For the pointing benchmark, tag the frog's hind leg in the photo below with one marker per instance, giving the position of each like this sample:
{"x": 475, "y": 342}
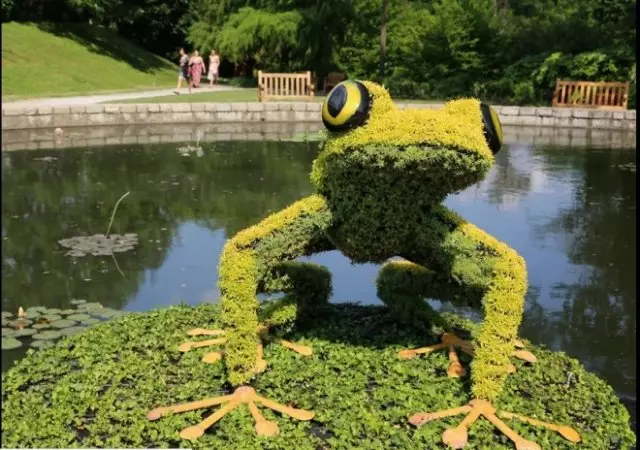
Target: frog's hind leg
{"x": 253, "y": 261}
{"x": 403, "y": 286}
{"x": 475, "y": 268}
{"x": 307, "y": 288}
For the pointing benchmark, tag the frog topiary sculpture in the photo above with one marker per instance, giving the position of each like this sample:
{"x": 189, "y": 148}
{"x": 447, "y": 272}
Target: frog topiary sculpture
{"x": 380, "y": 178}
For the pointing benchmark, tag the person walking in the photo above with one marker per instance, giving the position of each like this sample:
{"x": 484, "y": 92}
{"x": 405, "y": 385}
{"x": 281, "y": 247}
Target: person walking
{"x": 183, "y": 72}
{"x": 197, "y": 68}
{"x": 214, "y": 64}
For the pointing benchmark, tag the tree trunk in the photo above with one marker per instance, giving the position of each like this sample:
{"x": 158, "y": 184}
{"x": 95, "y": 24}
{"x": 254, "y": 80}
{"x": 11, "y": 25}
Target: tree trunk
{"x": 383, "y": 37}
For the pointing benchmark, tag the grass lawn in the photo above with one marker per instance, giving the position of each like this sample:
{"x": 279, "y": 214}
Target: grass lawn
{"x": 239, "y": 95}
{"x": 43, "y": 60}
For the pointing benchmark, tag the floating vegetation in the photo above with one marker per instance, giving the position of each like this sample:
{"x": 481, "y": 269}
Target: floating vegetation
{"x": 41, "y": 326}
{"x": 101, "y": 244}
{"x": 191, "y": 150}
{"x": 631, "y": 167}
{"x": 46, "y": 159}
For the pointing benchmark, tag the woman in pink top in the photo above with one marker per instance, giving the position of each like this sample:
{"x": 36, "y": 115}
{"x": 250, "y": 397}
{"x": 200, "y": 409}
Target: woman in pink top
{"x": 214, "y": 63}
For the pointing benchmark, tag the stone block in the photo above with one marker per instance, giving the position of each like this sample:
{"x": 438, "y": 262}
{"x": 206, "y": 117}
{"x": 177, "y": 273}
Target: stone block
{"x": 314, "y": 107}
{"x": 215, "y": 107}
{"x": 113, "y": 141}
{"x": 153, "y": 108}
{"x": 41, "y": 121}
{"x": 181, "y": 107}
{"x": 601, "y": 123}
{"x": 240, "y": 107}
{"x": 529, "y": 120}
{"x": 94, "y": 109}
{"x": 616, "y": 123}
{"x": 548, "y": 121}
{"x": 142, "y": 108}
{"x": 582, "y": 113}
{"x": 202, "y": 116}
{"x": 618, "y": 115}
{"x": 45, "y": 110}
{"x": 142, "y": 139}
{"x": 165, "y": 107}
{"x": 564, "y": 122}
{"x": 182, "y": 117}
{"x": 298, "y": 106}
{"x": 78, "y": 119}
{"x": 562, "y": 112}
{"x": 12, "y": 112}
{"x": 509, "y": 120}
{"x": 61, "y": 120}
{"x": 61, "y": 110}
{"x": 95, "y": 142}
{"x": 227, "y": 116}
{"x": 78, "y": 109}
{"x": 285, "y": 106}
{"x": 270, "y": 106}
{"x": 544, "y": 111}
{"x": 112, "y": 109}
{"x": 527, "y": 111}
{"x": 510, "y": 111}
{"x": 154, "y": 139}
{"x": 128, "y": 108}
{"x": 255, "y": 107}
{"x": 630, "y": 115}
{"x": 142, "y": 117}
{"x": 29, "y": 111}
{"x": 197, "y": 107}
{"x": 601, "y": 114}
{"x": 580, "y": 123}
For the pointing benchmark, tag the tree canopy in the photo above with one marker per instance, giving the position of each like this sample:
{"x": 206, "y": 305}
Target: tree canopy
{"x": 501, "y": 50}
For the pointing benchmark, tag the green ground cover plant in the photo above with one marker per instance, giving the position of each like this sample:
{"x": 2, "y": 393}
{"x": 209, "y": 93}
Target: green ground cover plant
{"x": 41, "y": 60}
{"x": 95, "y": 388}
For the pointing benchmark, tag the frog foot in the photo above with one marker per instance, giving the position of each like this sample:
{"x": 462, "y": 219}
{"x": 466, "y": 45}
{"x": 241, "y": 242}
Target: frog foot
{"x": 262, "y": 331}
{"x": 457, "y": 437}
{"x": 450, "y": 342}
{"x": 244, "y": 395}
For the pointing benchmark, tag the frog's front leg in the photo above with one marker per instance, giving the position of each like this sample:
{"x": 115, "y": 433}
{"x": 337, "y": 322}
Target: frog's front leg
{"x": 259, "y": 259}
{"x": 472, "y": 266}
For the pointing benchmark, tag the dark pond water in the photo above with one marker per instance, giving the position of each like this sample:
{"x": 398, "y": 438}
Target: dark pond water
{"x": 571, "y": 212}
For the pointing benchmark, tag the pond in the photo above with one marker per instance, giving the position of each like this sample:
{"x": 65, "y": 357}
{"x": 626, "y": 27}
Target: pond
{"x": 571, "y": 212}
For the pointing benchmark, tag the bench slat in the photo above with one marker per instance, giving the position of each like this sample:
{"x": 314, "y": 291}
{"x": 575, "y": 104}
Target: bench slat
{"x": 289, "y": 85}
{"x": 591, "y": 94}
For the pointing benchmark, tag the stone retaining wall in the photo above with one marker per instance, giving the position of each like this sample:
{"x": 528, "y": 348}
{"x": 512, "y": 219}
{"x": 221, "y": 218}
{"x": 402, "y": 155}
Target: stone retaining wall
{"x": 188, "y": 113}
{"x": 45, "y": 138}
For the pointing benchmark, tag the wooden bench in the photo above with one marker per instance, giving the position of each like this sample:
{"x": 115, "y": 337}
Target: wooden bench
{"x": 284, "y": 85}
{"x": 591, "y": 94}
{"x": 332, "y": 80}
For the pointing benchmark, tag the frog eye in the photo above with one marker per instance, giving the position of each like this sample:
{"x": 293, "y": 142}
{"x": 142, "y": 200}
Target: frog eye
{"x": 492, "y": 127}
{"x": 347, "y": 106}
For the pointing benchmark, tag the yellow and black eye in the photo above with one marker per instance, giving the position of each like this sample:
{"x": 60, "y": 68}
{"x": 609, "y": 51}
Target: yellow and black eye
{"x": 492, "y": 127}
{"x": 347, "y": 106}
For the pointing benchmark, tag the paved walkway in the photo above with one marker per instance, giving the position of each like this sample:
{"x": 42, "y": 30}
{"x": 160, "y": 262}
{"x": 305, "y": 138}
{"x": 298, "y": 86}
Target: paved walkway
{"x": 93, "y": 99}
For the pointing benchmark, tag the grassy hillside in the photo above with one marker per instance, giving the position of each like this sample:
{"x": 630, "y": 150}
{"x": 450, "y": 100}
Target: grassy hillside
{"x": 41, "y": 60}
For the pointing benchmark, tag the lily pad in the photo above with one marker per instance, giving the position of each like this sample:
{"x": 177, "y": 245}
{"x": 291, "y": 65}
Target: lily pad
{"x": 66, "y": 312}
{"x": 86, "y": 306}
{"x": 49, "y": 318}
{"x": 72, "y": 330}
{"x": 41, "y": 344}
{"x": 5, "y": 322}
{"x": 90, "y": 321}
{"x": 53, "y": 311}
{"x": 8, "y": 332}
{"x": 79, "y": 317}
{"x": 41, "y": 309}
{"x": 6, "y": 314}
{"x": 10, "y": 343}
{"x": 41, "y": 326}
{"x": 47, "y": 335}
{"x": 32, "y": 313}
{"x": 110, "y": 313}
{"x": 25, "y": 332}
{"x": 64, "y": 323}
{"x": 20, "y": 323}
{"x": 77, "y": 301}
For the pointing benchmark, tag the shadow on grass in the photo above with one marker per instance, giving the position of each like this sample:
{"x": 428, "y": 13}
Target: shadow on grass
{"x": 103, "y": 41}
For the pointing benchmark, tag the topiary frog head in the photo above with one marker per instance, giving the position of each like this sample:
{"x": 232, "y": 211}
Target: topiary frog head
{"x": 411, "y": 157}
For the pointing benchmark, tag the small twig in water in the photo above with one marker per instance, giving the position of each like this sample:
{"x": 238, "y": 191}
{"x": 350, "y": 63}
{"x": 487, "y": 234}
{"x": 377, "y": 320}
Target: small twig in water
{"x": 114, "y": 213}
{"x": 113, "y": 255}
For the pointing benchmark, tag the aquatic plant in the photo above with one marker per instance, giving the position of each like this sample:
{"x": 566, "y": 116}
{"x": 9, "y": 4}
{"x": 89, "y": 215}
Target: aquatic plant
{"x": 93, "y": 389}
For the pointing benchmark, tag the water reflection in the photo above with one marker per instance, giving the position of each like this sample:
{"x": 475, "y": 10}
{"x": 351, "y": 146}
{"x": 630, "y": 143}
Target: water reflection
{"x": 569, "y": 211}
